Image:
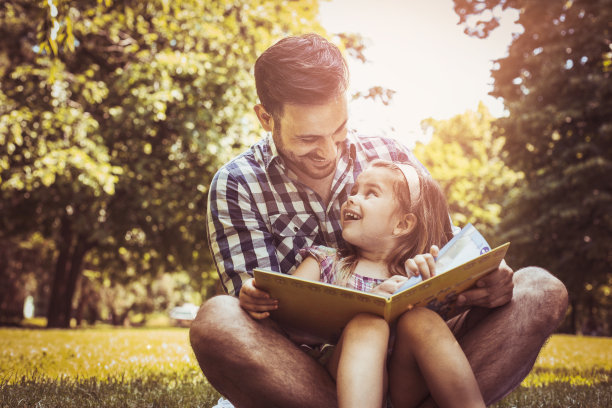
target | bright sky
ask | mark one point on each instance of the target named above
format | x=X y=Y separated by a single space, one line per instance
x=417 y=49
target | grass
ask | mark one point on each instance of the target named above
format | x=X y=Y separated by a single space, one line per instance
x=101 y=368
x=571 y=371
x=156 y=368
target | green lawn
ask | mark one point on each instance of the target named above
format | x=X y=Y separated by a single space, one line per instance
x=571 y=371
x=156 y=368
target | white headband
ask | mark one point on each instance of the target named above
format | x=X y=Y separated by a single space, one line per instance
x=412 y=178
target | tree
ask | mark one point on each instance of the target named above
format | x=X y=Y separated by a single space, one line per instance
x=24 y=263
x=464 y=158
x=114 y=115
x=556 y=85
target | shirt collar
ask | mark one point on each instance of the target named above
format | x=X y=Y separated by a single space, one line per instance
x=269 y=152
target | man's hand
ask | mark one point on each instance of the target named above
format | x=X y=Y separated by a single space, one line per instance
x=493 y=290
x=390 y=286
x=423 y=264
x=256 y=302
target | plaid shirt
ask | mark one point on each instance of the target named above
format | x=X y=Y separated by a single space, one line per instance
x=260 y=216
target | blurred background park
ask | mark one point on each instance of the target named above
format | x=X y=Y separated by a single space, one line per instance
x=115 y=114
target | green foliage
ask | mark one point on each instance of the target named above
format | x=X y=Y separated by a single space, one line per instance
x=133 y=303
x=118 y=368
x=464 y=158
x=115 y=114
x=24 y=270
x=556 y=84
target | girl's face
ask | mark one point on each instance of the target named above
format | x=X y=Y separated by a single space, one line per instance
x=370 y=216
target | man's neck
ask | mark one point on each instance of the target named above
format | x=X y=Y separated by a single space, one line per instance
x=321 y=186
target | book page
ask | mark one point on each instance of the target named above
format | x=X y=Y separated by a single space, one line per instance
x=440 y=292
x=466 y=245
x=323 y=310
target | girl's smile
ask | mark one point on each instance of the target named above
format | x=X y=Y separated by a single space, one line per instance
x=370 y=214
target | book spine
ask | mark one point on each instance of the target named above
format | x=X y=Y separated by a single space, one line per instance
x=387 y=310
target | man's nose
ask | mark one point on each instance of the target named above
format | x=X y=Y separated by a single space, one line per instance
x=328 y=149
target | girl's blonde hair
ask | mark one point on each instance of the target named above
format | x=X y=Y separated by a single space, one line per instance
x=432 y=225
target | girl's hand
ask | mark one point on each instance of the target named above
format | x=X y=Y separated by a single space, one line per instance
x=390 y=286
x=256 y=302
x=423 y=265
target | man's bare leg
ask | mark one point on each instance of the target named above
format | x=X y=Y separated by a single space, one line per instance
x=252 y=363
x=502 y=344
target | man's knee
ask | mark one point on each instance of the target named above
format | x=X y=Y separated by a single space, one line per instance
x=213 y=322
x=543 y=294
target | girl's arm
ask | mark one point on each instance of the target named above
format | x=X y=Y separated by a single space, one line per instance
x=423 y=265
x=308 y=269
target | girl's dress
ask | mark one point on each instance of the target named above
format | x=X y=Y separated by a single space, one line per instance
x=330 y=273
x=328 y=264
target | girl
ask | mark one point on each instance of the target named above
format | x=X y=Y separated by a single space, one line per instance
x=392 y=217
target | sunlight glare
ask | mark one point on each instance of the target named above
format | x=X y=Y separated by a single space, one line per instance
x=418 y=50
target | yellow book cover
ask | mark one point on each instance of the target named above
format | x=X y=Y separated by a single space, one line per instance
x=324 y=310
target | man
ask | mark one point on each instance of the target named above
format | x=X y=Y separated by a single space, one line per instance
x=284 y=194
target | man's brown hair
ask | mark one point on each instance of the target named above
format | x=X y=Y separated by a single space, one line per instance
x=302 y=70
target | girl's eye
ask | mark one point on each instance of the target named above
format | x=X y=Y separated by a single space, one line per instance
x=371 y=193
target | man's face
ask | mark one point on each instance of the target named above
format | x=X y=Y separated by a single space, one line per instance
x=310 y=137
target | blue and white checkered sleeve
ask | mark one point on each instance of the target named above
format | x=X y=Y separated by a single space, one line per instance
x=237 y=234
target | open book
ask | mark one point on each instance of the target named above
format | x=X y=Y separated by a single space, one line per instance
x=324 y=310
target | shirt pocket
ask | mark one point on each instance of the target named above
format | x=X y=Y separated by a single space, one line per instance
x=292 y=233
x=294 y=225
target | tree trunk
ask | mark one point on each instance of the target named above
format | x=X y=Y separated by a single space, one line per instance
x=68 y=267
x=55 y=315
x=573 y=318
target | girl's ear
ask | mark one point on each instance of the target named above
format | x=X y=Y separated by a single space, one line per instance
x=266 y=120
x=405 y=225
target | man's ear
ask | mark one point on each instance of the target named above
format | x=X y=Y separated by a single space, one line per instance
x=405 y=225
x=266 y=120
